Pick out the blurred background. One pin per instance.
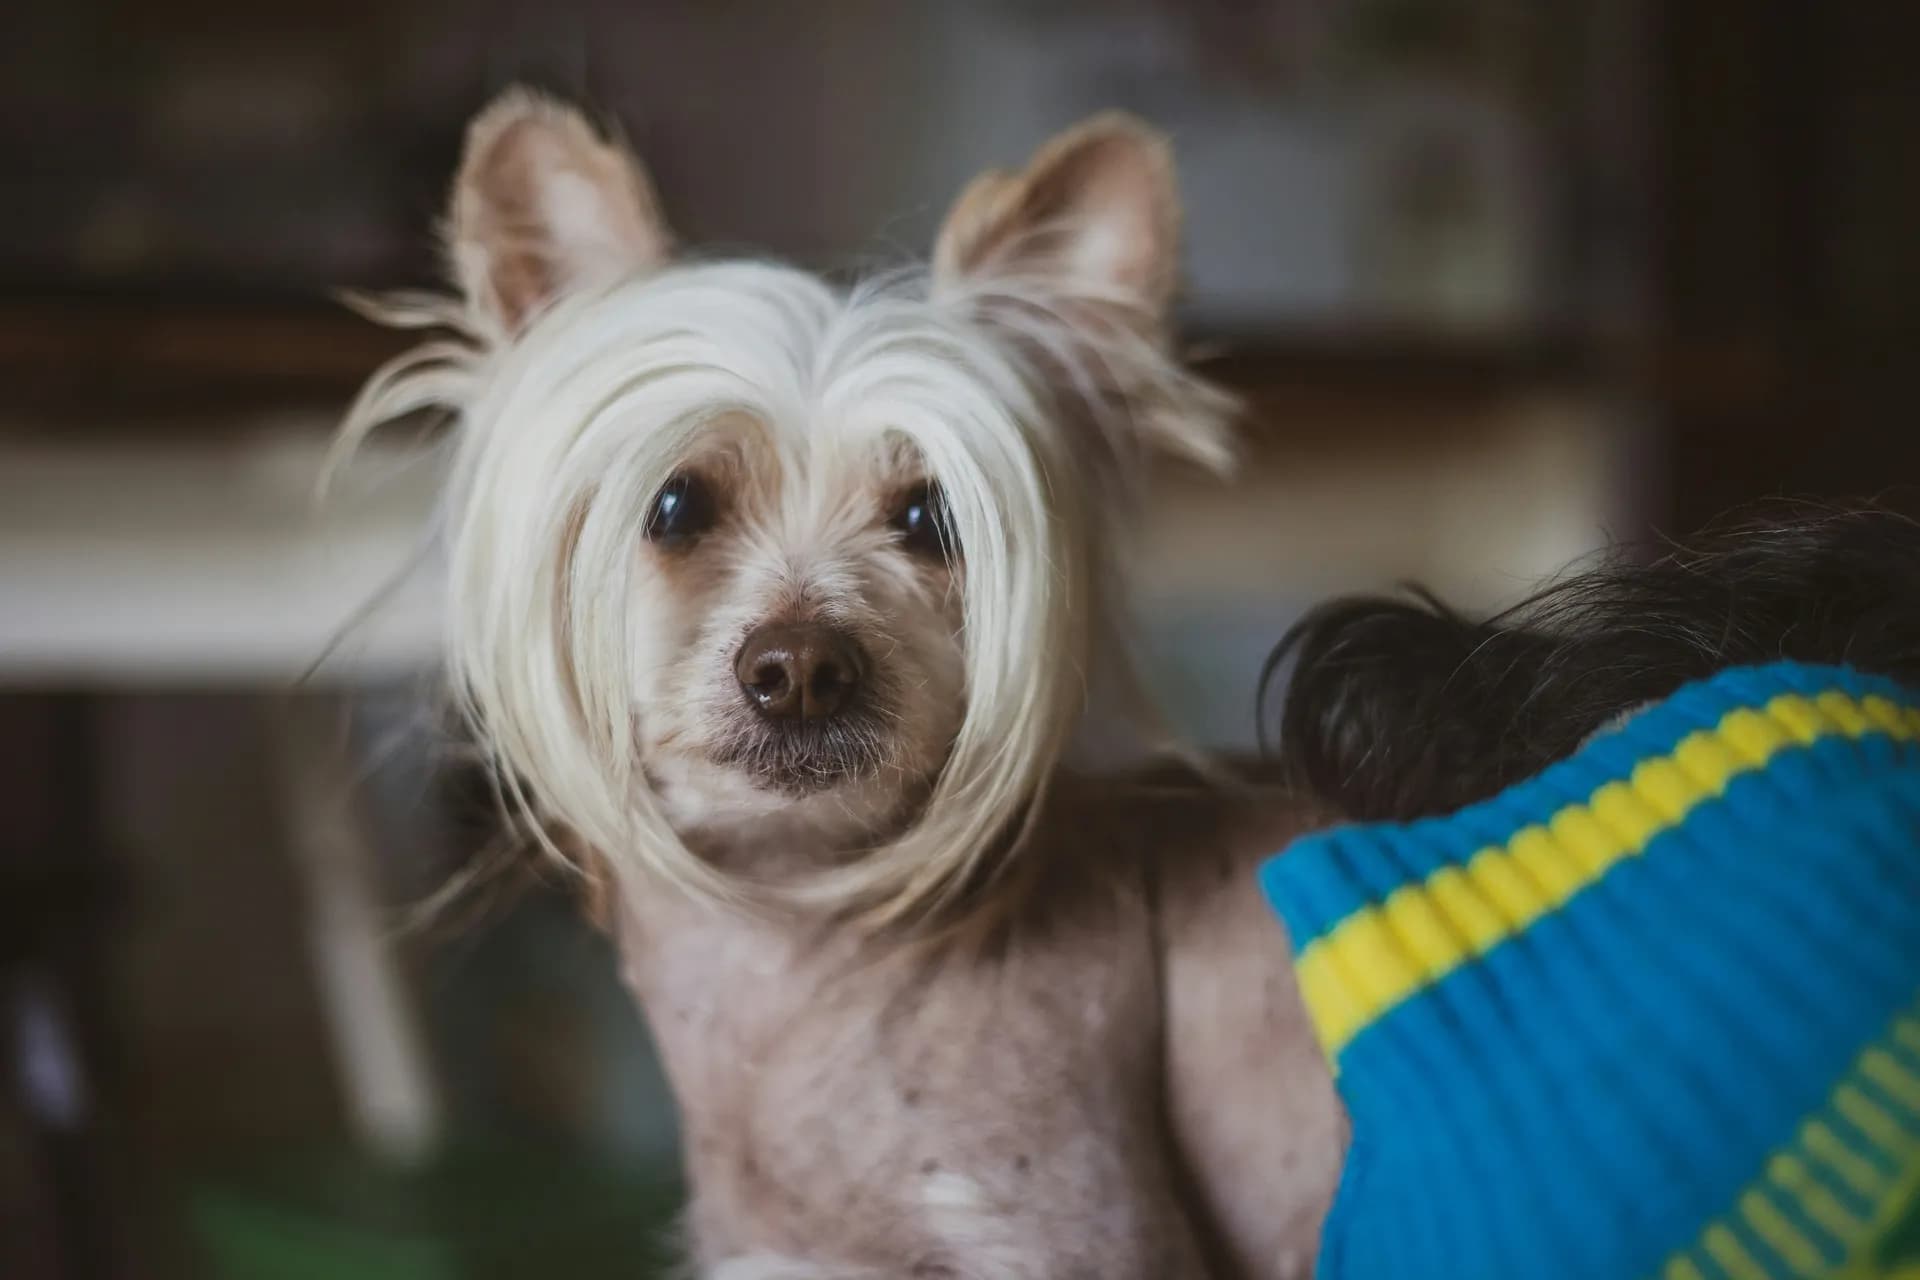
(1500, 281)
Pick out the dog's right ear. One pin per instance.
(545, 204)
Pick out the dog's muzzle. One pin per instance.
(811, 722)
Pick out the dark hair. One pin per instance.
(1398, 707)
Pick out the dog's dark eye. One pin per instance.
(684, 508)
(924, 524)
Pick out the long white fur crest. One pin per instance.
(567, 431)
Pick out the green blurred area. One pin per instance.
(493, 1213)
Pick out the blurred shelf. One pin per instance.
(117, 365)
(1340, 389)
(1397, 360)
(121, 365)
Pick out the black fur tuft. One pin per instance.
(1398, 707)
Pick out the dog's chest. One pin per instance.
(991, 1110)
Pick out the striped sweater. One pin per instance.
(1653, 1012)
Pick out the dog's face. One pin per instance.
(796, 620)
(746, 561)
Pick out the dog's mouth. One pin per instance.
(798, 758)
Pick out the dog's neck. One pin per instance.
(786, 846)
(707, 975)
(712, 976)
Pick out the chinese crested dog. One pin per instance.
(781, 608)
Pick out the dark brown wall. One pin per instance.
(1789, 259)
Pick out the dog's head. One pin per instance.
(742, 561)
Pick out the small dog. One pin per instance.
(785, 602)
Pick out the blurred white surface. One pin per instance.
(211, 563)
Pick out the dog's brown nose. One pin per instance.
(799, 671)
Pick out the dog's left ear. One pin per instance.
(1088, 236)
(545, 205)
(1095, 216)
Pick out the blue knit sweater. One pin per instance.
(1654, 1012)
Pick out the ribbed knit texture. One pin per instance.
(1655, 1011)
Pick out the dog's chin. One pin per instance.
(841, 786)
(795, 760)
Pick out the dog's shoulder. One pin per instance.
(1189, 824)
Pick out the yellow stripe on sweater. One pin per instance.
(1384, 954)
(1788, 1175)
(1772, 1227)
(1726, 1250)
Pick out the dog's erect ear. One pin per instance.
(1089, 235)
(543, 205)
(1096, 214)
